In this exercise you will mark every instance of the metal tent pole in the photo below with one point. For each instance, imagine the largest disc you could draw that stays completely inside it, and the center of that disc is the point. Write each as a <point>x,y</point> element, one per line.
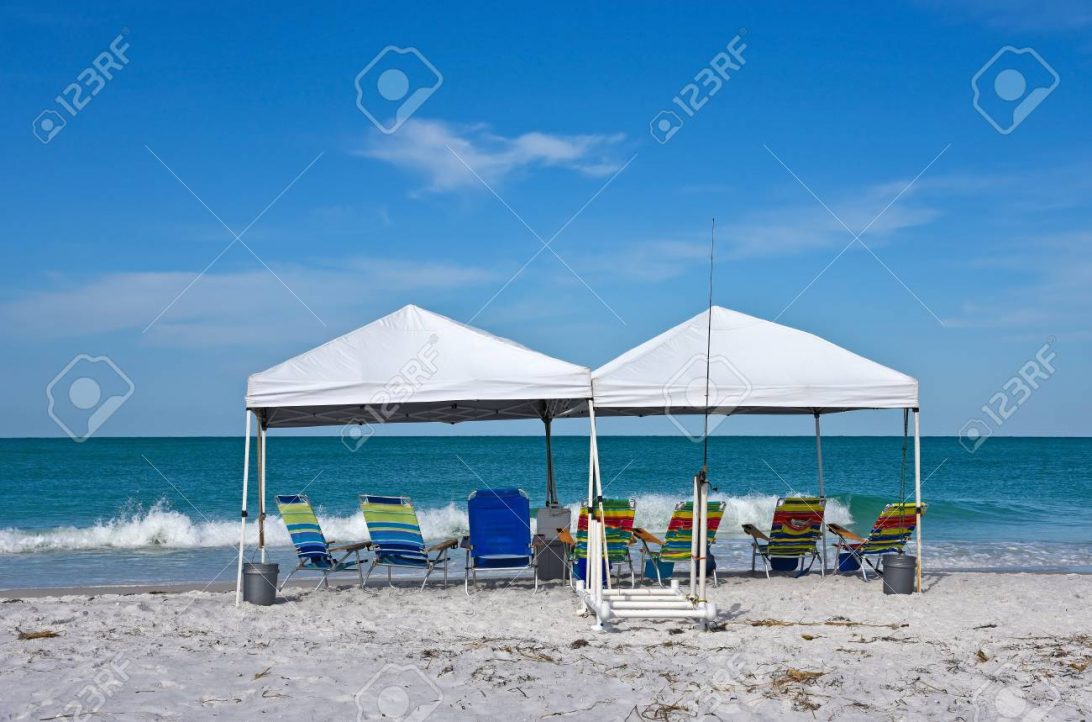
<point>917,488</point>
<point>551,486</point>
<point>822,490</point>
<point>601,556</point>
<point>261,488</point>
<point>592,534</point>
<point>242,526</point>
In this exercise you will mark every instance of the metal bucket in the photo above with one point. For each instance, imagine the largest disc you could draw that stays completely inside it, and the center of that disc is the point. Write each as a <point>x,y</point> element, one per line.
<point>552,558</point>
<point>260,583</point>
<point>898,573</point>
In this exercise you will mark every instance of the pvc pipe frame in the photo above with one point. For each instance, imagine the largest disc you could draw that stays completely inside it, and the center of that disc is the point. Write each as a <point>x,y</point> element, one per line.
<point>242,526</point>
<point>609,603</point>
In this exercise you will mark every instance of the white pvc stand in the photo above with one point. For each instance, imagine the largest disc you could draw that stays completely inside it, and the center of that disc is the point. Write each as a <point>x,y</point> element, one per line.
<point>610,604</point>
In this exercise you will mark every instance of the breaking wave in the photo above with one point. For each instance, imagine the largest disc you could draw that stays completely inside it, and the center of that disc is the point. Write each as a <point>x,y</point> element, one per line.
<point>159,527</point>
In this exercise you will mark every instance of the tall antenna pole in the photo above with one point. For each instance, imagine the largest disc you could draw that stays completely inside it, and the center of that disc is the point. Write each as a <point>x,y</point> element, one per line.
<point>708,348</point>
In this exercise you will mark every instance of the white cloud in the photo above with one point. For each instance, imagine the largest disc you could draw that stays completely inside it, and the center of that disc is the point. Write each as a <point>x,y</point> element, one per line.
<point>232,307</point>
<point>1056,297</point>
<point>429,148</point>
<point>1019,15</point>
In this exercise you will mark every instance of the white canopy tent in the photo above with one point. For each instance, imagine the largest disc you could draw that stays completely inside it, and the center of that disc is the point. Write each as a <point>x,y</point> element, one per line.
<point>410,366</point>
<point>754,367</point>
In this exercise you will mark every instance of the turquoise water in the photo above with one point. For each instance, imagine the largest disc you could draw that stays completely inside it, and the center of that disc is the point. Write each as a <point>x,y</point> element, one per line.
<point>155,510</point>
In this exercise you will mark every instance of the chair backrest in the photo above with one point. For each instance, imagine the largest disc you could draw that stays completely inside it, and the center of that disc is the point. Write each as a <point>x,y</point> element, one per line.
<point>303,526</point>
<point>680,532</point>
<point>392,523</point>
<point>893,528</point>
<point>500,523</point>
<point>618,515</point>
<point>797,524</point>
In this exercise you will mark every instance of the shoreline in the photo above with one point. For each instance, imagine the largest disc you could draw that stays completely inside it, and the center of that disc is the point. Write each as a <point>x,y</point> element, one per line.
<point>345,583</point>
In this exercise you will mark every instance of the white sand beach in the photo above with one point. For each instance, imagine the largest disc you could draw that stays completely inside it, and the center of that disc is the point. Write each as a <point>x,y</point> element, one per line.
<point>975,646</point>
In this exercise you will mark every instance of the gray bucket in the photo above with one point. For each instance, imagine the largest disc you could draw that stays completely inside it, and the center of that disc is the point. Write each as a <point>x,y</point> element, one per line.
<point>260,583</point>
<point>899,571</point>
<point>552,557</point>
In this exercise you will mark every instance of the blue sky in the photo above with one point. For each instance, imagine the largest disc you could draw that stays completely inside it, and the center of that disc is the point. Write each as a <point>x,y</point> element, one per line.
<point>115,240</point>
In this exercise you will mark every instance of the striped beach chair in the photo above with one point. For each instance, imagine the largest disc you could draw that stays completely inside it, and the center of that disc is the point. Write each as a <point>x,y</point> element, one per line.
<point>313,549</point>
<point>396,538</point>
<point>618,515</point>
<point>675,547</point>
<point>893,528</point>
<point>797,525</point>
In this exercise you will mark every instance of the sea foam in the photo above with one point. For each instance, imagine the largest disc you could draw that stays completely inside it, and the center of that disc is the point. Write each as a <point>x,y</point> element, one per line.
<point>162,528</point>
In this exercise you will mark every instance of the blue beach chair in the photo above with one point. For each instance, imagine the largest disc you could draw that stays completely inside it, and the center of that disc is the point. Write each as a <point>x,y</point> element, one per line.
<point>500,533</point>
<point>312,548</point>
<point>396,538</point>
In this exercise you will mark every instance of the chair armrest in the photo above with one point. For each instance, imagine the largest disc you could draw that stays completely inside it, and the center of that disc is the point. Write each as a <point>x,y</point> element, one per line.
<point>754,532</point>
<point>841,531</point>
<point>566,537</point>
<point>445,544</point>
<point>351,547</point>
<point>647,536</point>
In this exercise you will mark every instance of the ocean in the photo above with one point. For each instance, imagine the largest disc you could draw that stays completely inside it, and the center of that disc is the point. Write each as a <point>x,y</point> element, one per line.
<point>155,510</point>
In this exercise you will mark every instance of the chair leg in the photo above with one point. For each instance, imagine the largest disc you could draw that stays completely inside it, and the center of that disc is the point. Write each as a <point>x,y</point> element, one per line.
<point>368,576</point>
<point>281,587</point>
<point>390,580</point>
<point>360,570</point>
<point>320,583</point>
<point>536,576</point>
<point>466,578</point>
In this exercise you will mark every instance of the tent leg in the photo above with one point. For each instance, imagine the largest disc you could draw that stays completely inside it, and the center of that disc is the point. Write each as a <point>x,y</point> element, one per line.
<point>242,526</point>
<point>822,491</point>
<point>917,488</point>
<point>261,489</point>
<point>551,485</point>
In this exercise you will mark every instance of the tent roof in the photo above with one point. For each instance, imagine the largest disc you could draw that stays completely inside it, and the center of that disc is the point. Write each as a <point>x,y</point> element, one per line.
<point>756,366</point>
<point>415,365</point>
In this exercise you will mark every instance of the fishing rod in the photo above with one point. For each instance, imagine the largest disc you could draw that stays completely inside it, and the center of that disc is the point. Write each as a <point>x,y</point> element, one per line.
<point>708,352</point>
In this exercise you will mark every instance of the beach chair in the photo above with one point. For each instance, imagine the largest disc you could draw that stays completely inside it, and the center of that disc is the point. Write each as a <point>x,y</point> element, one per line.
<point>312,547</point>
<point>396,538</point>
<point>500,534</point>
<point>797,525</point>
<point>675,546</point>
<point>618,518</point>
<point>893,528</point>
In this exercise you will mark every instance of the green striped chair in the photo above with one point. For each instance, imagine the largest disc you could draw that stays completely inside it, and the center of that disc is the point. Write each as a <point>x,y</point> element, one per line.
<point>675,547</point>
<point>893,528</point>
<point>396,538</point>
<point>797,526</point>
<point>313,549</point>
<point>618,515</point>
